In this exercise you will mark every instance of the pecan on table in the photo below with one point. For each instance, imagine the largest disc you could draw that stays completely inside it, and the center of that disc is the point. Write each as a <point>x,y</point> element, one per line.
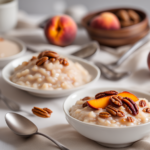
<point>114,111</point>
<point>142,103</point>
<point>130,119</point>
<point>147,110</point>
<point>51,54</point>
<point>86,98</point>
<point>104,115</point>
<point>116,101</point>
<point>42,112</point>
<point>104,94</point>
<point>41,61</point>
<point>130,105</point>
<point>84,104</point>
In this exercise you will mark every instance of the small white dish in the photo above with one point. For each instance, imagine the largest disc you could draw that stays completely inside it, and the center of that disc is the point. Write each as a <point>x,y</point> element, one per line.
<point>92,69</point>
<point>6,60</point>
<point>106,136</point>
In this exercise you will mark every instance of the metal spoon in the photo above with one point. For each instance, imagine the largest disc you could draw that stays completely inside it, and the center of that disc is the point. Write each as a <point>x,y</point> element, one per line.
<point>107,70</point>
<point>24,127</point>
<point>13,105</point>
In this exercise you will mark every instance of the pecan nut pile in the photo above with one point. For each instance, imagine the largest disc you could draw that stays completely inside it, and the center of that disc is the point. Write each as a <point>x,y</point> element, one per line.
<point>104,115</point>
<point>42,112</point>
<point>130,106</point>
<point>106,93</point>
<point>116,101</point>
<point>52,57</point>
<point>142,103</point>
<point>114,111</point>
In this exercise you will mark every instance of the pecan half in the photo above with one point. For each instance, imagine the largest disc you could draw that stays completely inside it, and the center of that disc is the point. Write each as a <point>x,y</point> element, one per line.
<point>130,119</point>
<point>41,54</point>
<point>51,54</point>
<point>130,105</point>
<point>116,101</point>
<point>147,110</point>
<point>42,112</point>
<point>104,115</point>
<point>142,103</point>
<point>33,58</point>
<point>106,93</point>
<point>63,61</point>
<point>114,111</point>
<point>52,59</point>
<point>41,61</point>
<point>84,104</point>
<point>86,98</point>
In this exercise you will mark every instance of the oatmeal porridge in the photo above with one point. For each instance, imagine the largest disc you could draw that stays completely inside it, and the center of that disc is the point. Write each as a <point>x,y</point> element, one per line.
<point>112,109</point>
<point>49,71</point>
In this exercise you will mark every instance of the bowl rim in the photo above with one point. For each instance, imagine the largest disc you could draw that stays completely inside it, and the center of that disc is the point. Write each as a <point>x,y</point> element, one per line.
<point>84,19</point>
<point>17,41</point>
<point>101,126</point>
<point>30,89</point>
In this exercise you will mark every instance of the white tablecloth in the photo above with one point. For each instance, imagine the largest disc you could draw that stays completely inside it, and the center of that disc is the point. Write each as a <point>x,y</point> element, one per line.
<point>57,126</point>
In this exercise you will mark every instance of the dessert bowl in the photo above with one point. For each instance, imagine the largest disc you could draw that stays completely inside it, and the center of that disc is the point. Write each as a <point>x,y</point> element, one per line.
<point>91,68</point>
<point>4,61</point>
<point>107,136</point>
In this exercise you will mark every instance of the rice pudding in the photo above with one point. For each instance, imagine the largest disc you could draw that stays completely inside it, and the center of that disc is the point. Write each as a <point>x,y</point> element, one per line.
<point>49,71</point>
<point>112,109</point>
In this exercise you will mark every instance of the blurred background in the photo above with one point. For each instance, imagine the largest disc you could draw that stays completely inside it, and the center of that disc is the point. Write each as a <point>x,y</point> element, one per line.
<point>53,6</point>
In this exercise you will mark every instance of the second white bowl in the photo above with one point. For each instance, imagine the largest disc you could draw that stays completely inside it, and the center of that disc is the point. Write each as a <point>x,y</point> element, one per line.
<point>107,136</point>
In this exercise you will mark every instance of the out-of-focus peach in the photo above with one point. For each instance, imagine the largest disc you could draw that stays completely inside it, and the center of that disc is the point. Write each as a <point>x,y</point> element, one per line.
<point>107,21</point>
<point>148,60</point>
<point>61,30</point>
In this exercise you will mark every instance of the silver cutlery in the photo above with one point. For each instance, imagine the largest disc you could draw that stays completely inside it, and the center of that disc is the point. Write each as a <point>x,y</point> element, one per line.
<point>108,70</point>
<point>24,127</point>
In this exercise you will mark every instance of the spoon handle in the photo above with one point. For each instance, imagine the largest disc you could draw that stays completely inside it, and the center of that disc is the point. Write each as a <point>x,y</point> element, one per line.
<point>62,147</point>
<point>131,50</point>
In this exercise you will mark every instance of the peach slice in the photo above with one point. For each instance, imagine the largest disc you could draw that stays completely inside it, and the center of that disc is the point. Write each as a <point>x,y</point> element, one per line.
<point>128,94</point>
<point>99,103</point>
<point>103,102</point>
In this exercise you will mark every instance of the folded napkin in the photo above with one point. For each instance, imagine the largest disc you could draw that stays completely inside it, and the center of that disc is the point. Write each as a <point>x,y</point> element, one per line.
<point>63,133</point>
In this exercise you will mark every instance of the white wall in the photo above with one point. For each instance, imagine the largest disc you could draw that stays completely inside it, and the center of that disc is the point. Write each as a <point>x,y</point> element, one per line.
<point>47,6</point>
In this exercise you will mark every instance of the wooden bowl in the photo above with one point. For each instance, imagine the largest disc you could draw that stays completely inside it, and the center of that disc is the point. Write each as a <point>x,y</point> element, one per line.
<point>122,36</point>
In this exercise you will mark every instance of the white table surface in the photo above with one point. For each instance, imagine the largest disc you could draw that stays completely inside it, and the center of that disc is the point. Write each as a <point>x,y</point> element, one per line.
<point>139,78</point>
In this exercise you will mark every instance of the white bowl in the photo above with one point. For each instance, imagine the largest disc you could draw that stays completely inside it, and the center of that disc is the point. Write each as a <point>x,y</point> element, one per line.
<point>92,69</point>
<point>6,60</point>
<point>107,136</point>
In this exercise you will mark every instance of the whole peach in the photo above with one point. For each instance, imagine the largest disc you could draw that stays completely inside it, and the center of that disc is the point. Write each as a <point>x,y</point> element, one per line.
<point>107,21</point>
<point>61,30</point>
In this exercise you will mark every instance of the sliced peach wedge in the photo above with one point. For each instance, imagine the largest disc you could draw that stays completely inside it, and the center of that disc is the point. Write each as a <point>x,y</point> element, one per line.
<point>104,101</point>
<point>128,94</point>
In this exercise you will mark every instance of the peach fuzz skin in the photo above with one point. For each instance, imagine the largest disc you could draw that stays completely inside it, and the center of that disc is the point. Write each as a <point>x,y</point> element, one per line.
<point>61,30</point>
<point>106,21</point>
<point>104,101</point>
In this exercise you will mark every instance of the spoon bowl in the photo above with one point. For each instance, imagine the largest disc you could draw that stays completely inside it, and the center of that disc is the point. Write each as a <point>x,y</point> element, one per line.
<point>20,125</point>
<point>24,127</point>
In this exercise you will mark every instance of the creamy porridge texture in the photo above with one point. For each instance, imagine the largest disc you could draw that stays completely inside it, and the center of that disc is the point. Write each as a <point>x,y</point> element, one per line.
<point>48,71</point>
<point>114,110</point>
<point>8,48</point>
